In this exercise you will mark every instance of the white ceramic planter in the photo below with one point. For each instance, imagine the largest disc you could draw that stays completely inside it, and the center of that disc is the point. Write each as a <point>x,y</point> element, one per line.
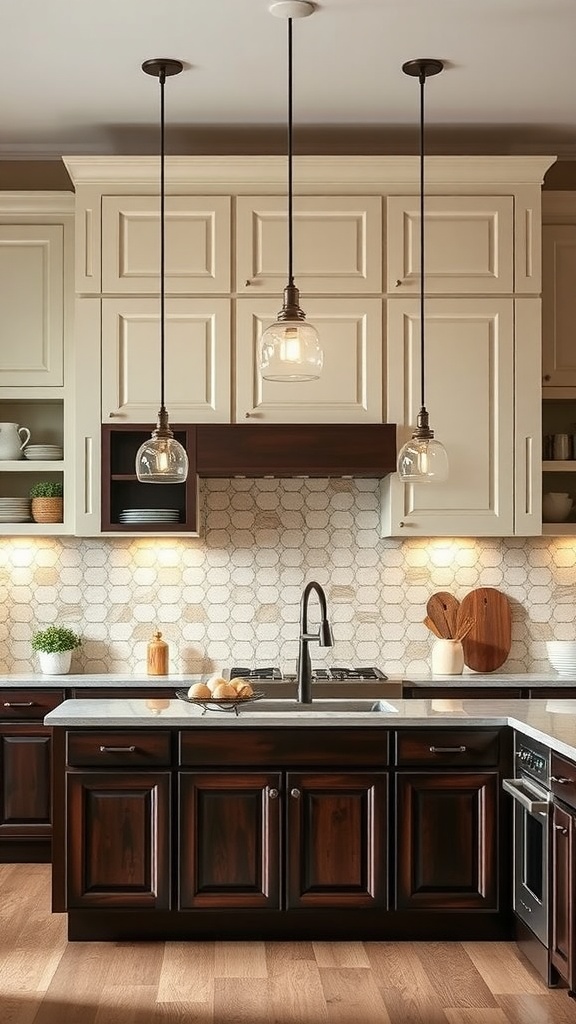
<point>55,664</point>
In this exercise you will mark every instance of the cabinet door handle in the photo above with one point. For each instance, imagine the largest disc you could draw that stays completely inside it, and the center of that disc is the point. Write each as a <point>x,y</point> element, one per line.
<point>18,704</point>
<point>560,828</point>
<point>117,750</point>
<point>448,750</point>
<point>273,793</point>
<point>560,779</point>
<point>295,793</point>
<point>398,283</point>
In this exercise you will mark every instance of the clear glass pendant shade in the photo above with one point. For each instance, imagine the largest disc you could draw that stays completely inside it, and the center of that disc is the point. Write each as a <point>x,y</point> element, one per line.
<point>422,460</point>
<point>161,460</point>
<point>290,350</point>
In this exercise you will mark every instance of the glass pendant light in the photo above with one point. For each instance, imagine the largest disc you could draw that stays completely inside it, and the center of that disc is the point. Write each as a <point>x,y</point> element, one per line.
<point>422,459</point>
<point>162,459</point>
<point>290,349</point>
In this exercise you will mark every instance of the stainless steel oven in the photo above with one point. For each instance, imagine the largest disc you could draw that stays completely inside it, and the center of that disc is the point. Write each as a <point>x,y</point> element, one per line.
<point>530,790</point>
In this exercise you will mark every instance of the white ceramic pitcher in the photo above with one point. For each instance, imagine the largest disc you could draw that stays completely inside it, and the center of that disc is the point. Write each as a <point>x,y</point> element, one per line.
<point>11,443</point>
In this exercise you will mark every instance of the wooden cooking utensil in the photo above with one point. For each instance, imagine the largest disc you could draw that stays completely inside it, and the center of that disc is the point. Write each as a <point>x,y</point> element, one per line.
<point>487,644</point>
<point>432,627</point>
<point>443,608</point>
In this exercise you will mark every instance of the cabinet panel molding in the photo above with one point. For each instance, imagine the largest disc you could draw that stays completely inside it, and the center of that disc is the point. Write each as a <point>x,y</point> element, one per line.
<point>469,245</point>
<point>31,291</point>
<point>197,244</point>
<point>350,387</point>
<point>197,360</point>
<point>337,244</point>
<point>469,385</point>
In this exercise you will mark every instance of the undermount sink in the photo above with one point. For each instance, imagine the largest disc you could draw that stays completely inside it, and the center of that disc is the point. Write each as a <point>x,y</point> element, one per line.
<point>343,706</point>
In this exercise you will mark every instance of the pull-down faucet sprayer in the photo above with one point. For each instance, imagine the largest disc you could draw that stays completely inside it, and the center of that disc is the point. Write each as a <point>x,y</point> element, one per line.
<point>322,637</point>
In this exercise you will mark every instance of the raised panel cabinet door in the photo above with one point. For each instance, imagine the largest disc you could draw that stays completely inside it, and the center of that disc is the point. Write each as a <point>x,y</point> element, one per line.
<point>337,245</point>
<point>337,840</point>
<point>447,841</point>
<point>32,304</point>
<point>197,244</point>
<point>197,360</point>
<point>350,387</point>
<point>558,305</point>
<point>469,377</point>
<point>469,245</point>
<point>26,801</point>
<point>118,846</point>
<point>563,894</point>
<point>229,840</point>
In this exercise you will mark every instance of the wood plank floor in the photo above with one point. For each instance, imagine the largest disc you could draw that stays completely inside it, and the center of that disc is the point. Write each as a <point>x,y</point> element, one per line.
<point>46,980</point>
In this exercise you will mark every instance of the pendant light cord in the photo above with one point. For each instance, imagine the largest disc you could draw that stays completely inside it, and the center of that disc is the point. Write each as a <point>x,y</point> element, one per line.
<point>422,80</point>
<point>162,80</point>
<point>290,155</point>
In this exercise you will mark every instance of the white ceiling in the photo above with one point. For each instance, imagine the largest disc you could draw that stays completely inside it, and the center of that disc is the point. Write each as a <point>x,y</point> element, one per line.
<point>71,80</point>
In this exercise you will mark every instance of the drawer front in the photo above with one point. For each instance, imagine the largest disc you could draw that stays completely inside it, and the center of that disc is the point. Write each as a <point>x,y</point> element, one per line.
<point>18,704</point>
<point>118,749</point>
<point>563,779</point>
<point>448,747</point>
<point>306,747</point>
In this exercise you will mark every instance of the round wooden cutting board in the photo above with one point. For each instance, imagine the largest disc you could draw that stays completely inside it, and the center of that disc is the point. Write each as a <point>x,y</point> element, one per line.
<point>487,645</point>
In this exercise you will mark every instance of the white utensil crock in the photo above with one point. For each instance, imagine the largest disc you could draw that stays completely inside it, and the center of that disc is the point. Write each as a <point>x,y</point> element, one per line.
<point>447,658</point>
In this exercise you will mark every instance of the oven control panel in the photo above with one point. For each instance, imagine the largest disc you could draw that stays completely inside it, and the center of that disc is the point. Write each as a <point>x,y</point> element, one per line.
<point>535,762</point>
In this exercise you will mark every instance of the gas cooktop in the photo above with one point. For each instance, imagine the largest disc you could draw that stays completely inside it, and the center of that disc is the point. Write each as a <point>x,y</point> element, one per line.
<point>336,673</point>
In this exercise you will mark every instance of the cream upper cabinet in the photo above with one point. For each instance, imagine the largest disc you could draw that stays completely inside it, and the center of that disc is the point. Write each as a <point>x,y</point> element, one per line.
<point>31,300</point>
<point>559,304</point>
<point>197,360</point>
<point>469,395</point>
<point>197,244</point>
<point>350,387</point>
<point>337,244</point>
<point>469,245</point>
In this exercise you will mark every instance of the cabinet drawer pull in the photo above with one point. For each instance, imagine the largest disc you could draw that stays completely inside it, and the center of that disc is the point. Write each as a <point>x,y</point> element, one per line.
<point>273,793</point>
<point>117,750</point>
<point>18,704</point>
<point>448,750</point>
<point>295,793</point>
<point>560,780</point>
<point>561,829</point>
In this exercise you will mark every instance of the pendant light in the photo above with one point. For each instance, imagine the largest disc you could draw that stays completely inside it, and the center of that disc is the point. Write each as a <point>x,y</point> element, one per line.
<point>162,459</point>
<point>290,349</point>
<point>422,459</point>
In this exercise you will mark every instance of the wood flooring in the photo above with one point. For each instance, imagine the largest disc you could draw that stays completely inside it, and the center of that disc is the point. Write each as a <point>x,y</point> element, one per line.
<point>46,980</point>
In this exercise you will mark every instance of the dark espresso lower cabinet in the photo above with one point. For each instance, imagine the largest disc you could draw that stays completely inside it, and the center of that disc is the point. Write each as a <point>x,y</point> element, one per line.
<point>242,833</point>
<point>119,840</point>
<point>447,841</point>
<point>562,953</point>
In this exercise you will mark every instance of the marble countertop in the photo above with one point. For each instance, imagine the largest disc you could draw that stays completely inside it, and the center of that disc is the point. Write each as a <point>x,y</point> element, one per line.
<point>115,679</point>
<point>553,722</point>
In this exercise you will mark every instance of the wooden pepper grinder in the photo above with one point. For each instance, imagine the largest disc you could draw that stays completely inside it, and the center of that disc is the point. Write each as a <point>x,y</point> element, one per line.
<point>157,656</point>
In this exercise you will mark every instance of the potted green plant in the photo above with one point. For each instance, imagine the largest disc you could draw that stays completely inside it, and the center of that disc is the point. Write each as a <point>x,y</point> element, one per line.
<point>47,502</point>
<point>55,645</point>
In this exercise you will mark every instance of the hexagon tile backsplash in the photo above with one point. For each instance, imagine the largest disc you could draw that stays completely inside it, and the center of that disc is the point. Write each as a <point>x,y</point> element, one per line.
<point>233,596</point>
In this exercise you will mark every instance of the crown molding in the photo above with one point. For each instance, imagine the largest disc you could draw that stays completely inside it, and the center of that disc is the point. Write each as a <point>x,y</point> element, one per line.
<point>37,203</point>
<point>237,173</point>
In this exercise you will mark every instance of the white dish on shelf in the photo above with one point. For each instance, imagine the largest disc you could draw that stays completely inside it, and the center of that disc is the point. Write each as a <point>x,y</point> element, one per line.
<point>562,656</point>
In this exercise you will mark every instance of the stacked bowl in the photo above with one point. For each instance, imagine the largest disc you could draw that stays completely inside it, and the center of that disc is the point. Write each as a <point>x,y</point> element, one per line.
<point>562,656</point>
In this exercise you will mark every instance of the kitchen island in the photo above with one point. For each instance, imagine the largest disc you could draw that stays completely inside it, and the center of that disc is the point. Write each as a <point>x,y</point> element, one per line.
<point>171,823</point>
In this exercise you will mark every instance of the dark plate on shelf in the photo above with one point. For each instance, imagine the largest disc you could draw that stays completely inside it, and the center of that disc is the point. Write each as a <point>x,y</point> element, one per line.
<point>215,704</point>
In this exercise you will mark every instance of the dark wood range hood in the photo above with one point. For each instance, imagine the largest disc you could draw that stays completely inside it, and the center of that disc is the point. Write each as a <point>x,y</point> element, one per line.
<point>296,449</point>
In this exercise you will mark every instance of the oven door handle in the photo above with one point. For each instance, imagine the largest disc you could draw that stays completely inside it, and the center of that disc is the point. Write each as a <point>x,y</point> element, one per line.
<point>515,788</point>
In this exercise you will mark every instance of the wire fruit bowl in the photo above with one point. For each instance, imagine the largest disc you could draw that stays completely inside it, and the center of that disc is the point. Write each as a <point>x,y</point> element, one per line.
<point>219,704</point>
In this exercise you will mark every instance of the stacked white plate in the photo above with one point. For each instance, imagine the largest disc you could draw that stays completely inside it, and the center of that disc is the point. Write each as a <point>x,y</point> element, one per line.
<point>149,515</point>
<point>44,452</point>
<point>562,656</point>
<point>15,510</point>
